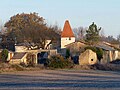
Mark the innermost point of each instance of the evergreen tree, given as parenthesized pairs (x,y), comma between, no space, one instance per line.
(92,34)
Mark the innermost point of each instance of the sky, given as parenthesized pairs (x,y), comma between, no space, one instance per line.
(105,13)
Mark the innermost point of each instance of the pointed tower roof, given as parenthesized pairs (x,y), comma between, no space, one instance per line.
(67,31)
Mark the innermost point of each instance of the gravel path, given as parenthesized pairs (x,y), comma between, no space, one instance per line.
(61,79)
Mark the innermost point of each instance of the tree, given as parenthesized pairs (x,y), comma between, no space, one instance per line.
(112,40)
(4,55)
(79,33)
(102,33)
(7,42)
(30,28)
(118,38)
(92,34)
(2,29)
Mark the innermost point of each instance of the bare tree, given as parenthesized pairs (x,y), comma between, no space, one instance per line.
(3,29)
(118,38)
(79,33)
(102,33)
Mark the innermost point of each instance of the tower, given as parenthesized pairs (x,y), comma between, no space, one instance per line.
(67,35)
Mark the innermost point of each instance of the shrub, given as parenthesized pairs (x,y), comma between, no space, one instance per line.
(67,53)
(59,62)
(91,48)
(23,64)
(99,53)
(4,55)
(31,60)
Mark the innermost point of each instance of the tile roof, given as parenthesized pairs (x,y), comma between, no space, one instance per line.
(105,47)
(67,31)
(79,42)
(19,55)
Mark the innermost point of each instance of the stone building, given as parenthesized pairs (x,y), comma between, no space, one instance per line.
(76,47)
(110,52)
(20,55)
(88,58)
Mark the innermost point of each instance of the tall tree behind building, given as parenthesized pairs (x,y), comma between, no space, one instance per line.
(92,34)
(79,33)
(118,38)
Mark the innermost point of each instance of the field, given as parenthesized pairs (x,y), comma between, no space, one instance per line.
(61,79)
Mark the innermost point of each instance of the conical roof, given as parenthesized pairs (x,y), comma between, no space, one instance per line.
(67,31)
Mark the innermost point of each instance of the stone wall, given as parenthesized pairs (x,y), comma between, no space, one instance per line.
(20,48)
(109,56)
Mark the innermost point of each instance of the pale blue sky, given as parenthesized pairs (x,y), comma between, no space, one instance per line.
(105,13)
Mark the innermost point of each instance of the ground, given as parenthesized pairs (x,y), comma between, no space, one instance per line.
(61,79)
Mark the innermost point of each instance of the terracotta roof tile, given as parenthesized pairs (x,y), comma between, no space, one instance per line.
(19,55)
(67,31)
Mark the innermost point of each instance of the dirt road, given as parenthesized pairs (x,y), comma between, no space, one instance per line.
(61,79)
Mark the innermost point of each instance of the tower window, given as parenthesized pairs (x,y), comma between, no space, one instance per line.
(69,38)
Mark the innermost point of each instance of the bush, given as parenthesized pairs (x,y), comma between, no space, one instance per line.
(106,67)
(31,60)
(4,55)
(59,62)
(117,61)
(23,64)
(67,53)
(99,53)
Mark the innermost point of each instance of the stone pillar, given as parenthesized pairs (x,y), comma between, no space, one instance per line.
(8,56)
(110,56)
(36,58)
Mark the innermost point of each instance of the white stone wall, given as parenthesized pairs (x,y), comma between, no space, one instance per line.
(92,57)
(66,41)
(20,49)
(116,55)
(10,55)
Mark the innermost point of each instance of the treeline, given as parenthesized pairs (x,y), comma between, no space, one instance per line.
(31,29)
(81,33)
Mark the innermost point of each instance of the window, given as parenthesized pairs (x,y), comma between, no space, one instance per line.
(91,59)
(69,38)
